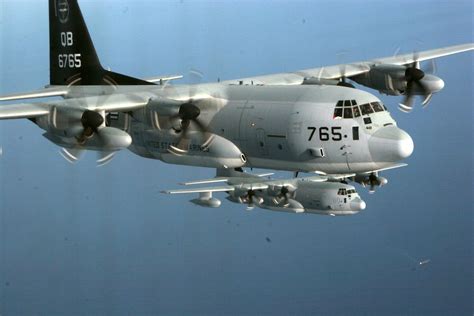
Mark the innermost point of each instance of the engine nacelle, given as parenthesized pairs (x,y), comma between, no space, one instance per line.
(110,139)
(66,127)
(61,121)
(393,79)
(218,152)
(388,79)
(373,180)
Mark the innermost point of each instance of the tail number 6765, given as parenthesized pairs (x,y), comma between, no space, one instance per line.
(69,61)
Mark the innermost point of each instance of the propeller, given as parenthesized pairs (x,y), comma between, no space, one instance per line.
(187,116)
(89,128)
(414,84)
(91,121)
(251,199)
(373,182)
(342,71)
(91,124)
(284,196)
(342,81)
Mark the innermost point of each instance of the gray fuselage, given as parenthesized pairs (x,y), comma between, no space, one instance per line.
(276,127)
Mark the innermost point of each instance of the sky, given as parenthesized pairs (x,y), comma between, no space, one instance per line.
(82,240)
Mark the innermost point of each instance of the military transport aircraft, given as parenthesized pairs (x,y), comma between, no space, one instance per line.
(312,120)
(316,194)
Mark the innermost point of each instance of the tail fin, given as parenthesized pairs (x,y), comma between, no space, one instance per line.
(73,59)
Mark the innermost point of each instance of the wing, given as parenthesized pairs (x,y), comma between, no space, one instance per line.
(399,165)
(225,188)
(23,110)
(252,182)
(107,103)
(348,70)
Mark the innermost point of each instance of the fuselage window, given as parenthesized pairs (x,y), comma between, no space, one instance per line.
(366,109)
(377,107)
(347,112)
(356,111)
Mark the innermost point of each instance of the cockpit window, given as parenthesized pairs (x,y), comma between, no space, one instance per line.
(356,111)
(366,109)
(342,192)
(348,109)
(347,112)
(377,106)
(343,109)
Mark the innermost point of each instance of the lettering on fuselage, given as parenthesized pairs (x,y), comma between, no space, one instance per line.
(165,145)
(334,133)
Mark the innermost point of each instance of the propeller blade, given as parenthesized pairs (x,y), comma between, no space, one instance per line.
(104,157)
(407,104)
(427,100)
(431,68)
(195,77)
(72,155)
(200,126)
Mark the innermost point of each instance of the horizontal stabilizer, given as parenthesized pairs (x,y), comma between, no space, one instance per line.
(43,93)
(162,80)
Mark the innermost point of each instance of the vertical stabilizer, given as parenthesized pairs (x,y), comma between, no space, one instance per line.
(73,58)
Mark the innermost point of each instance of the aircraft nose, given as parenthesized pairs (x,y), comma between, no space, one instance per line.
(357,204)
(390,144)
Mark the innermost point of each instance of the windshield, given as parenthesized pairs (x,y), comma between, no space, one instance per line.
(347,109)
